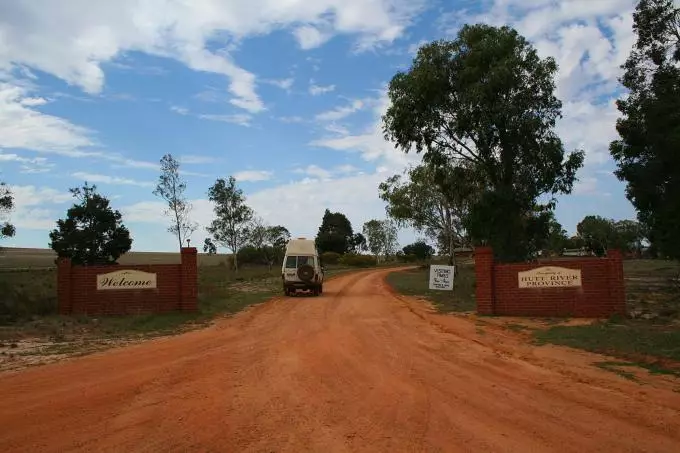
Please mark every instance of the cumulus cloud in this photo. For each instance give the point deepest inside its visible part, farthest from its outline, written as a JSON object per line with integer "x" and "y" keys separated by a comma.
{"x": 21, "y": 126}
{"x": 317, "y": 90}
{"x": 253, "y": 175}
{"x": 72, "y": 39}
{"x": 339, "y": 113}
{"x": 113, "y": 180}
{"x": 589, "y": 40}
{"x": 35, "y": 208}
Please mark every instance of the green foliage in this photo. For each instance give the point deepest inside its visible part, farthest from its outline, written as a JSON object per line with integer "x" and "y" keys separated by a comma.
{"x": 209, "y": 247}
{"x": 557, "y": 239}
{"x": 330, "y": 258}
{"x": 335, "y": 234}
{"x": 171, "y": 189}
{"x": 269, "y": 242}
{"x": 26, "y": 294}
{"x": 434, "y": 200}
{"x": 647, "y": 151}
{"x": 92, "y": 232}
{"x": 355, "y": 260}
{"x": 421, "y": 250}
{"x": 486, "y": 100}
{"x": 600, "y": 234}
{"x": 359, "y": 243}
{"x": 574, "y": 242}
{"x": 6, "y": 206}
{"x": 381, "y": 237}
{"x": 229, "y": 228}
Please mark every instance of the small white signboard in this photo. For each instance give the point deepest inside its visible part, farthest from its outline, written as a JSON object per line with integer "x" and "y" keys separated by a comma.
{"x": 441, "y": 277}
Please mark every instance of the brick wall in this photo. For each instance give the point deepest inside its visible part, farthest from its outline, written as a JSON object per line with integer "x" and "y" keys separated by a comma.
{"x": 176, "y": 288}
{"x": 601, "y": 293}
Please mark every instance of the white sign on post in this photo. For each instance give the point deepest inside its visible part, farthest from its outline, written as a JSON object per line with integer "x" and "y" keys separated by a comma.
{"x": 441, "y": 277}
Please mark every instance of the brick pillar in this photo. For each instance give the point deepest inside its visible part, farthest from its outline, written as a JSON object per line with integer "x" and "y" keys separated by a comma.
{"x": 64, "y": 301}
{"x": 189, "y": 279}
{"x": 484, "y": 294}
{"x": 617, "y": 287}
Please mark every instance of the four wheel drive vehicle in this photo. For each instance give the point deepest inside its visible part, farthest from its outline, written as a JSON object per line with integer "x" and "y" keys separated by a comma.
{"x": 301, "y": 269}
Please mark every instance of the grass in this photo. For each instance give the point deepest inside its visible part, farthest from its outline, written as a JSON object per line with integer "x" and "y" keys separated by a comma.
{"x": 416, "y": 283}
{"x": 648, "y": 345}
{"x": 29, "y": 258}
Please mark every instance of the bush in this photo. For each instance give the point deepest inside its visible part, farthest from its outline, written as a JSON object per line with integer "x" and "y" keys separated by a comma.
{"x": 354, "y": 260}
{"x": 17, "y": 303}
{"x": 250, "y": 255}
{"x": 330, "y": 258}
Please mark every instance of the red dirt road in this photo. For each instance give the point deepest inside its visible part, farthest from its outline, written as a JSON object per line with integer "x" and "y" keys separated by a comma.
{"x": 356, "y": 370}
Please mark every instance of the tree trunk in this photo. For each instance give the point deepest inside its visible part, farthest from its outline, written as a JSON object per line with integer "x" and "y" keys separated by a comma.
{"x": 236, "y": 262}
{"x": 452, "y": 253}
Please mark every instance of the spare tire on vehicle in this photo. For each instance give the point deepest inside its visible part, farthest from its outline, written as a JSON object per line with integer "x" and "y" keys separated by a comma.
{"x": 305, "y": 273}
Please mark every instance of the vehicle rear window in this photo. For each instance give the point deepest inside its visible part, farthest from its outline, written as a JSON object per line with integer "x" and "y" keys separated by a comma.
{"x": 293, "y": 262}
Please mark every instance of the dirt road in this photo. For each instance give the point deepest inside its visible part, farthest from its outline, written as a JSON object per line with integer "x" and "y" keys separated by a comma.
{"x": 357, "y": 370}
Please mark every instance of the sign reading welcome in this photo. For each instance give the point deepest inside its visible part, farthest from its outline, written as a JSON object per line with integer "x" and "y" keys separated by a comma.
{"x": 549, "y": 277}
{"x": 126, "y": 279}
{"x": 441, "y": 277}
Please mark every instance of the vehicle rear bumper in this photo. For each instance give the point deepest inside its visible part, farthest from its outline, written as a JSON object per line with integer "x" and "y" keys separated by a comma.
{"x": 302, "y": 286}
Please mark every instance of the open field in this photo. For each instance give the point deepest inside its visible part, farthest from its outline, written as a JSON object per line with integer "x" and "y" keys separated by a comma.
{"x": 651, "y": 338}
{"x": 22, "y": 258}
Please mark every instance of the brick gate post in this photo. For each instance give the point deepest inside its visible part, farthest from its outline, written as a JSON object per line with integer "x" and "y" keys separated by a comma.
{"x": 189, "y": 279}
{"x": 64, "y": 301}
{"x": 484, "y": 293}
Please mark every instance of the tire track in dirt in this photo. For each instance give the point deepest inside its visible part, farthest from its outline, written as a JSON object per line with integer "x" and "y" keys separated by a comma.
{"x": 358, "y": 369}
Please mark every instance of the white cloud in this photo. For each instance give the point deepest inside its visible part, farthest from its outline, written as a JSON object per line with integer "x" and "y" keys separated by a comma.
{"x": 309, "y": 37}
{"x": 369, "y": 143}
{"x": 291, "y": 119}
{"x": 27, "y": 165}
{"x": 284, "y": 84}
{"x": 317, "y": 90}
{"x": 180, "y": 110}
{"x": 315, "y": 171}
{"x": 190, "y": 159}
{"x": 341, "y": 112}
{"x": 242, "y": 119}
{"x": 253, "y": 175}
{"x": 33, "y": 210}
{"x": 72, "y": 39}
{"x": 590, "y": 40}
{"x": 115, "y": 180}
{"x": 23, "y": 127}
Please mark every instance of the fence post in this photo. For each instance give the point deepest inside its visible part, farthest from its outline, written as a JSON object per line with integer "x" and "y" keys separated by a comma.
{"x": 484, "y": 294}
{"x": 617, "y": 288}
{"x": 189, "y": 279}
{"x": 64, "y": 301}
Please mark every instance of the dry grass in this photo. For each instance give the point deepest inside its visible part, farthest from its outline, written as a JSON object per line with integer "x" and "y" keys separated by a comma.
{"x": 27, "y": 258}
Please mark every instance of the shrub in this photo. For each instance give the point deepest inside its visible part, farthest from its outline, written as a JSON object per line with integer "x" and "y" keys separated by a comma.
{"x": 354, "y": 260}
{"x": 330, "y": 258}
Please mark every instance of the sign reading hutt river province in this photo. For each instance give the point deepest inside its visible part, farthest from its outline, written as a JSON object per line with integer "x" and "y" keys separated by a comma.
{"x": 126, "y": 279}
{"x": 549, "y": 277}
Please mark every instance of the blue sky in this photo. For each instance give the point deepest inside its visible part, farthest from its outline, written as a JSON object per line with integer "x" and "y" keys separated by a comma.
{"x": 285, "y": 96}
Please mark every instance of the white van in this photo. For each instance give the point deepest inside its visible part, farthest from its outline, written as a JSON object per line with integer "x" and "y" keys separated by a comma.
{"x": 301, "y": 268}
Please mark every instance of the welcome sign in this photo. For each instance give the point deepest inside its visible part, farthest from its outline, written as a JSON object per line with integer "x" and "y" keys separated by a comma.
{"x": 549, "y": 277}
{"x": 126, "y": 279}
